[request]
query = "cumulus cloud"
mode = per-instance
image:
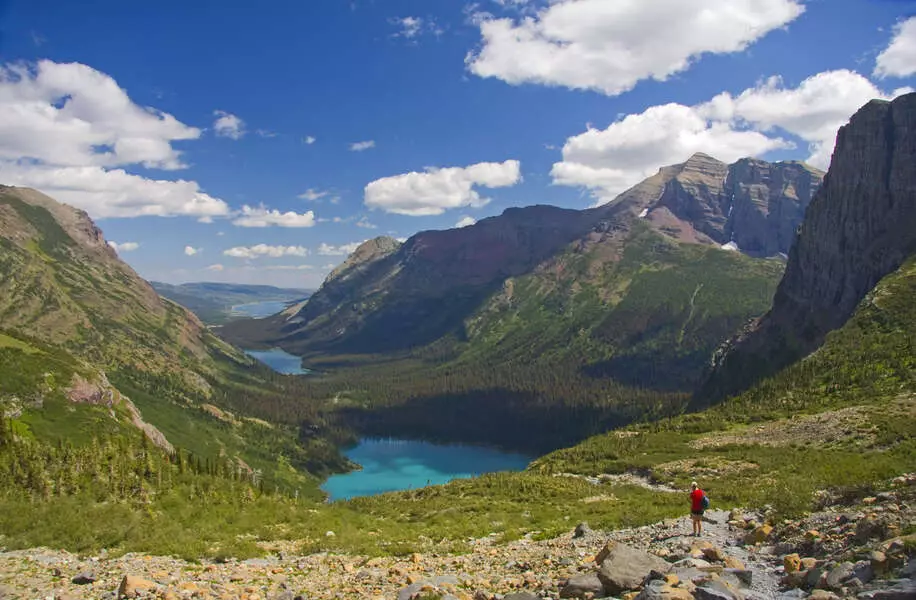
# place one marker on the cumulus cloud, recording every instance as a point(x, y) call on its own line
point(728, 127)
point(436, 190)
point(228, 125)
point(65, 128)
point(465, 222)
point(411, 28)
point(309, 139)
point(123, 247)
point(191, 250)
point(312, 195)
point(343, 250)
point(264, 250)
point(610, 46)
point(107, 193)
point(360, 146)
point(263, 217)
point(899, 58)
point(217, 267)
point(365, 224)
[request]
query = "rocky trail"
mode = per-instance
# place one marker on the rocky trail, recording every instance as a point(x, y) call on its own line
point(856, 550)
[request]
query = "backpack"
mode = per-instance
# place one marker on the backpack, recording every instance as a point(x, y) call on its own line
point(705, 501)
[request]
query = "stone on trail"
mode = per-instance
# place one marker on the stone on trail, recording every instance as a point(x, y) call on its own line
point(713, 553)
point(83, 578)
point(521, 596)
point(659, 589)
point(745, 576)
point(581, 585)
point(625, 568)
point(131, 584)
point(839, 574)
point(791, 563)
point(582, 530)
point(902, 590)
point(715, 592)
point(823, 595)
point(759, 535)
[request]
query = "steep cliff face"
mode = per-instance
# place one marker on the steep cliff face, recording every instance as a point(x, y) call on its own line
point(860, 227)
point(752, 205)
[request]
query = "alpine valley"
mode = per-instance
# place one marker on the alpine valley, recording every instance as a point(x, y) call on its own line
point(748, 324)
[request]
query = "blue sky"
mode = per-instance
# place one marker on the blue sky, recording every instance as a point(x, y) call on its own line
point(191, 111)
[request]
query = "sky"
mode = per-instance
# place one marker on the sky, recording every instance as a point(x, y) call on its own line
point(261, 142)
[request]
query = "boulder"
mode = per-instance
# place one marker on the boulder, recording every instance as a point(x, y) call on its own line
point(713, 554)
point(659, 589)
point(902, 590)
point(581, 585)
point(745, 576)
point(625, 568)
point(733, 563)
point(759, 535)
point(714, 590)
point(823, 595)
point(582, 530)
point(838, 574)
point(83, 578)
point(132, 584)
point(521, 596)
point(791, 563)
point(863, 571)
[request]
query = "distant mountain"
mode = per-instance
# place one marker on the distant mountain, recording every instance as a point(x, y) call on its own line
point(614, 310)
point(860, 227)
point(89, 350)
point(213, 302)
point(393, 297)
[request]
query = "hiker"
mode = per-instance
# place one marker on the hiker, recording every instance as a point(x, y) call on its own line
point(698, 504)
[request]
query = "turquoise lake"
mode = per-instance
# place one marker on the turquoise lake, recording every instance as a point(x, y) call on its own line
point(279, 361)
point(389, 465)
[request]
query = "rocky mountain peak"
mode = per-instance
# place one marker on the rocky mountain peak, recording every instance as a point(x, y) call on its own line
point(860, 227)
point(367, 252)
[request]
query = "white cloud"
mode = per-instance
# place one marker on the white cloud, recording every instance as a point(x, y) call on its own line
point(360, 146)
point(123, 247)
point(228, 125)
point(365, 224)
point(465, 222)
point(264, 217)
point(217, 267)
point(309, 139)
point(411, 28)
point(899, 58)
point(289, 267)
point(610, 46)
point(64, 128)
point(107, 193)
point(727, 127)
point(265, 251)
point(191, 250)
point(266, 133)
point(312, 195)
point(343, 250)
point(437, 190)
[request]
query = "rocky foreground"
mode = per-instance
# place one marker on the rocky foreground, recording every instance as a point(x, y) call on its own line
point(864, 550)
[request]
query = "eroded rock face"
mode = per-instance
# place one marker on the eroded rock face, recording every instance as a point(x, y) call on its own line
point(860, 227)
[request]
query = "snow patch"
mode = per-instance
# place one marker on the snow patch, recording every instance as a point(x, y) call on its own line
point(730, 246)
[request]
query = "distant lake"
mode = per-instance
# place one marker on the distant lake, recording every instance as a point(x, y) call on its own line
point(390, 465)
point(280, 361)
point(259, 310)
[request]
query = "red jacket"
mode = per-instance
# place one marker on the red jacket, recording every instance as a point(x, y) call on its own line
point(696, 499)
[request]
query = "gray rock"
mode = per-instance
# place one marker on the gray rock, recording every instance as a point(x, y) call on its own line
point(711, 592)
point(84, 578)
point(654, 590)
point(582, 530)
point(745, 576)
point(580, 585)
point(284, 595)
point(406, 592)
point(863, 571)
point(521, 596)
point(795, 594)
point(815, 577)
point(625, 568)
point(910, 569)
point(838, 575)
point(902, 590)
